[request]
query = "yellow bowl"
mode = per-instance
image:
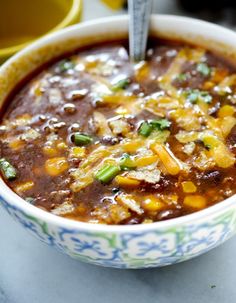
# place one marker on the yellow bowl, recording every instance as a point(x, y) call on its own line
point(72, 15)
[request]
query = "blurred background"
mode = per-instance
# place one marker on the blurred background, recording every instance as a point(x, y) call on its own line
point(23, 21)
point(218, 11)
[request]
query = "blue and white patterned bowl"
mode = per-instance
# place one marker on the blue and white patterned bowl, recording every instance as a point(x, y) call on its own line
point(147, 245)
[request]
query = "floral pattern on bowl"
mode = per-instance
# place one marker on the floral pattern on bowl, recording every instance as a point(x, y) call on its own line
point(128, 249)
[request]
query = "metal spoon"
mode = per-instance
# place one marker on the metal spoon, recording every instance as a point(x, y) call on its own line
point(139, 12)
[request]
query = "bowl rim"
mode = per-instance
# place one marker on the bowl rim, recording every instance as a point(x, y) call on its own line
point(13, 199)
point(74, 11)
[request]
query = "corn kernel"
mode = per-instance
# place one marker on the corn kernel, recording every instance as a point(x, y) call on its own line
point(189, 187)
point(195, 201)
point(16, 144)
point(210, 140)
point(144, 161)
point(62, 145)
point(167, 159)
point(152, 203)
point(132, 146)
point(226, 125)
point(122, 111)
point(77, 152)
point(126, 182)
point(208, 85)
point(49, 151)
point(91, 64)
point(56, 166)
point(24, 186)
point(219, 75)
point(225, 111)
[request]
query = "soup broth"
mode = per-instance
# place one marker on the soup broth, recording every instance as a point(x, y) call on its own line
point(99, 139)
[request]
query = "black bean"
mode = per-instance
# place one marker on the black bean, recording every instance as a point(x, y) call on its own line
point(69, 108)
point(75, 127)
point(110, 140)
point(231, 139)
point(115, 190)
point(213, 176)
point(160, 186)
point(133, 221)
point(77, 94)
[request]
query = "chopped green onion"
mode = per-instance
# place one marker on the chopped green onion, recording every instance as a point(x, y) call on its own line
point(204, 69)
point(192, 96)
point(181, 77)
point(7, 169)
point(107, 173)
point(81, 139)
point(29, 200)
point(121, 84)
point(65, 65)
point(126, 163)
point(145, 129)
point(160, 124)
point(196, 95)
point(206, 97)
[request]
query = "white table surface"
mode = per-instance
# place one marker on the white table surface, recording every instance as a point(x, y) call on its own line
point(31, 272)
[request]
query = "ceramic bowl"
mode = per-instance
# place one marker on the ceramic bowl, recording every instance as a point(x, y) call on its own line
point(145, 245)
point(72, 16)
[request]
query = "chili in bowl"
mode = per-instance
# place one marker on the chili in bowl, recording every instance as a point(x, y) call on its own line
point(118, 163)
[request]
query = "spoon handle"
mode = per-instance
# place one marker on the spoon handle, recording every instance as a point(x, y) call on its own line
point(139, 12)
